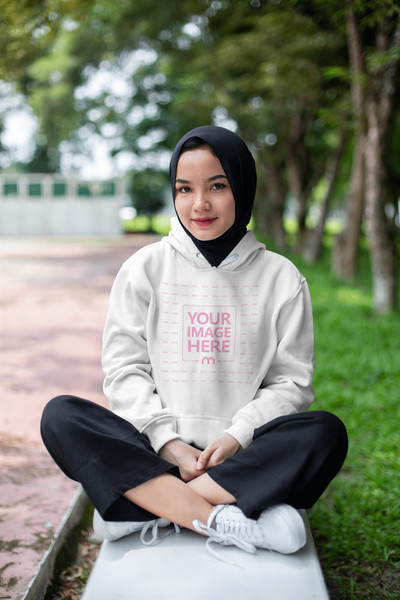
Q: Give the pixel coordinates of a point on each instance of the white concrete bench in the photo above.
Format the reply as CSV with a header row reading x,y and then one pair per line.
x,y
179,567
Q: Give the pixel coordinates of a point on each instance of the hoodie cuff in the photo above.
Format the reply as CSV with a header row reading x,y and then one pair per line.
x,y
242,431
160,431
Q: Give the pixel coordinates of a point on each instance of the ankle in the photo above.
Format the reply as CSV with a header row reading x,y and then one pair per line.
x,y
211,518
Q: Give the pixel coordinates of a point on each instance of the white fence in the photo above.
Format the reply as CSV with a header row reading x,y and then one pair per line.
x,y
42,204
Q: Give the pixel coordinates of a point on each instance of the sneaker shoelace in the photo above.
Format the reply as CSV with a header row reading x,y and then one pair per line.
x,y
154,530
226,538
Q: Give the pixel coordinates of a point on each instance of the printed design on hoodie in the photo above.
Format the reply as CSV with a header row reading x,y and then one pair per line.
x,y
210,332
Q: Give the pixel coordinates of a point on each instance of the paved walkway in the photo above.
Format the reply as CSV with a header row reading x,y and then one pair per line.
x,y
53,301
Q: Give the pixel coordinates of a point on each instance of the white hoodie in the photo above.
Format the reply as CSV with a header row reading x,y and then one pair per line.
x,y
192,351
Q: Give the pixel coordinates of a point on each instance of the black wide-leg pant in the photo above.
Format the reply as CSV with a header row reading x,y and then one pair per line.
x,y
291,459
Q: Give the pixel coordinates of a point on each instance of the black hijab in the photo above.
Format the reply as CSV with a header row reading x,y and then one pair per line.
x,y
239,166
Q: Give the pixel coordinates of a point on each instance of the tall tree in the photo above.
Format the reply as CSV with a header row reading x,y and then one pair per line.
x,y
379,113
278,103
345,251
148,191
313,249
374,52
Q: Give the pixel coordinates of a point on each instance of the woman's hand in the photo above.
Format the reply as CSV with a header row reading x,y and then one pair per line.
x,y
183,456
217,451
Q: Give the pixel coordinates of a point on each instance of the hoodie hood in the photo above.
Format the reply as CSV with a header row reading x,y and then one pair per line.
x,y
241,256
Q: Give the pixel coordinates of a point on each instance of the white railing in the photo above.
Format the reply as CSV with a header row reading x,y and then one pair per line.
x,y
50,204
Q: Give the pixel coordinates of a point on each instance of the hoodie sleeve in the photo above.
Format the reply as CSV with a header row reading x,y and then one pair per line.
x,y
287,386
128,383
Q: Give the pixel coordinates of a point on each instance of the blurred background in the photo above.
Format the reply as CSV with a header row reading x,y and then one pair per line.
x,y
93,97
102,91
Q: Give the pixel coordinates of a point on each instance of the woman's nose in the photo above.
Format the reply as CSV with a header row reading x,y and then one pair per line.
x,y
201,201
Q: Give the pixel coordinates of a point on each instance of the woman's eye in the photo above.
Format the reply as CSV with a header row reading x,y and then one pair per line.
x,y
184,189
219,186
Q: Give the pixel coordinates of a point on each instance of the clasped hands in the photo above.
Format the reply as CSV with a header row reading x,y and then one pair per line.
x,y
193,462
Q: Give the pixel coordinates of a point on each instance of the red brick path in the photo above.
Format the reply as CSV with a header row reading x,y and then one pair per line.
x,y
53,301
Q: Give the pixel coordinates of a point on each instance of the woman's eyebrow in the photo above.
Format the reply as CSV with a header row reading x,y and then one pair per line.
x,y
213,178
217,177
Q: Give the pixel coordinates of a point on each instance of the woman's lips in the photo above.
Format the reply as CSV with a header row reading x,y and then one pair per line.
x,y
204,222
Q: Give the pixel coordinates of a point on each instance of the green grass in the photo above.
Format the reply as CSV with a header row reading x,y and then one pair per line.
x,y
356,523
158,224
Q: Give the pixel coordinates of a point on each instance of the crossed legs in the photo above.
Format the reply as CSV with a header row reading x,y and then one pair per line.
x,y
179,502
291,460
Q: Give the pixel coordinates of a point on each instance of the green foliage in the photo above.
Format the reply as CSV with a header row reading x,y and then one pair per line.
x,y
54,77
44,160
160,224
204,50
148,191
28,28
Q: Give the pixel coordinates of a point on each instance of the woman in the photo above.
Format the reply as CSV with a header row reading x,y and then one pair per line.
x,y
208,359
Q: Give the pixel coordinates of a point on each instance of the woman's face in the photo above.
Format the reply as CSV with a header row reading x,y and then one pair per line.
x,y
203,197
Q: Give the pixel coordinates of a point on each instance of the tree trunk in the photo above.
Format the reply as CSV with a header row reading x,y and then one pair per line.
x,y
298,169
345,251
379,112
381,241
313,248
270,204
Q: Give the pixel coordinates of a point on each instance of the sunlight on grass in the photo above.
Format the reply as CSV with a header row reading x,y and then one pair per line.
x,y
160,224
352,296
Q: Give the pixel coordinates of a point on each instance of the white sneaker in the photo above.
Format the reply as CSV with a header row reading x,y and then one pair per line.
x,y
278,528
114,530
283,529
226,526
